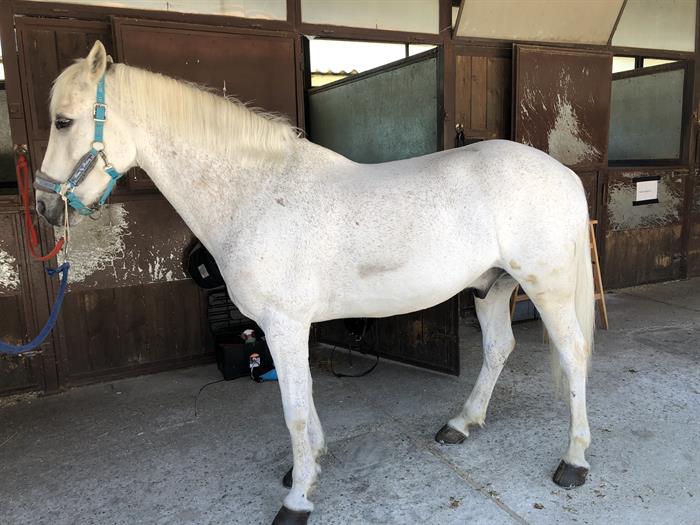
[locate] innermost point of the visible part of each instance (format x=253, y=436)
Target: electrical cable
x=358, y=340
x=200, y=391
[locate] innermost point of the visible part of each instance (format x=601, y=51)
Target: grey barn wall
x=367, y=119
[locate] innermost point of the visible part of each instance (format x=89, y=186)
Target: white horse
x=302, y=234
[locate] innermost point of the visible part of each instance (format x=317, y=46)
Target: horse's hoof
x=287, y=479
x=287, y=516
x=569, y=476
x=449, y=436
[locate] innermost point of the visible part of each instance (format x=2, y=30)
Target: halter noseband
x=86, y=163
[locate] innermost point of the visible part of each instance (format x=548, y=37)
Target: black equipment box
x=225, y=320
x=234, y=359
x=233, y=356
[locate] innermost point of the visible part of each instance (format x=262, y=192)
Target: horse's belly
x=379, y=291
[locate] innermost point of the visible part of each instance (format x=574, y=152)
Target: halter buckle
x=95, y=108
x=98, y=146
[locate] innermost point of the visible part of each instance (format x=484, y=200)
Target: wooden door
x=18, y=321
x=650, y=118
x=483, y=79
x=643, y=243
x=130, y=307
x=258, y=68
x=694, y=226
x=561, y=105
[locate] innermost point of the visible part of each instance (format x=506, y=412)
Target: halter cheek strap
x=87, y=163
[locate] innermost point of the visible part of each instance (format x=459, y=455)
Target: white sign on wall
x=647, y=191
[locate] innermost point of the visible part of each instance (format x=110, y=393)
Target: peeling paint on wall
x=96, y=244
x=529, y=99
x=566, y=139
x=9, y=271
x=561, y=102
x=158, y=271
x=622, y=215
x=125, y=247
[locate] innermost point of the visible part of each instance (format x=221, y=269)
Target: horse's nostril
x=40, y=207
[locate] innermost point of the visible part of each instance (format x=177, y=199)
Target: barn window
x=572, y=21
x=415, y=16
x=657, y=24
x=266, y=9
x=383, y=113
x=651, y=62
x=646, y=115
x=623, y=64
x=333, y=60
x=627, y=63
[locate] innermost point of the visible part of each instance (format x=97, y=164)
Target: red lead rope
x=24, y=184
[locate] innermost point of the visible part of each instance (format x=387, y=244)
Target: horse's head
x=75, y=117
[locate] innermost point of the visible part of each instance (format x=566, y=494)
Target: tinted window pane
x=646, y=116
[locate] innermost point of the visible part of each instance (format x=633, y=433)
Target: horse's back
x=513, y=187
x=491, y=169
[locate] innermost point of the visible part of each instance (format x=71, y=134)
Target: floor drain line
x=476, y=485
x=457, y=470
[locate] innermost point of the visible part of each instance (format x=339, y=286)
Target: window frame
x=686, y=65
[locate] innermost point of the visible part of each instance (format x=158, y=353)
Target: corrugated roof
x=337, y=73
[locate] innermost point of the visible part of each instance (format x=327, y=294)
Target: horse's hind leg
x=288, y=341
x=571, y=356
x=493, y=313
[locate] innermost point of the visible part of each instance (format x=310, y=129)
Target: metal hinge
x=15, y=109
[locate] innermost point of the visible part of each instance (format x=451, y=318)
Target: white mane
x=186, y=110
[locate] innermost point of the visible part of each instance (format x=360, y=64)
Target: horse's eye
x=63, y=122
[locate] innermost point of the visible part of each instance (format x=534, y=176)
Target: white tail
x=585, y=291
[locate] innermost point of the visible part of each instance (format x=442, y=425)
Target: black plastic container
x=234, y=359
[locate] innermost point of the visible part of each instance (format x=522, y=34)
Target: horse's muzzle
x=50, y=207
x=53, y=212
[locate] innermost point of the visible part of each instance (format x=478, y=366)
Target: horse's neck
x=207, y=191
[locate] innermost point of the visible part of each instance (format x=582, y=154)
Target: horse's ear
x=96, y=62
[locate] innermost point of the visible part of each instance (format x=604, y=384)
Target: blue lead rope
x=31, y=345
x=85, y=166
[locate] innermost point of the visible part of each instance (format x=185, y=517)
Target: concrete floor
x=132, y=451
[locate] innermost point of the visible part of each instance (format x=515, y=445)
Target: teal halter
x=86, y=163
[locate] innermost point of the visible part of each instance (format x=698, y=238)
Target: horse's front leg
x=289, y=345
